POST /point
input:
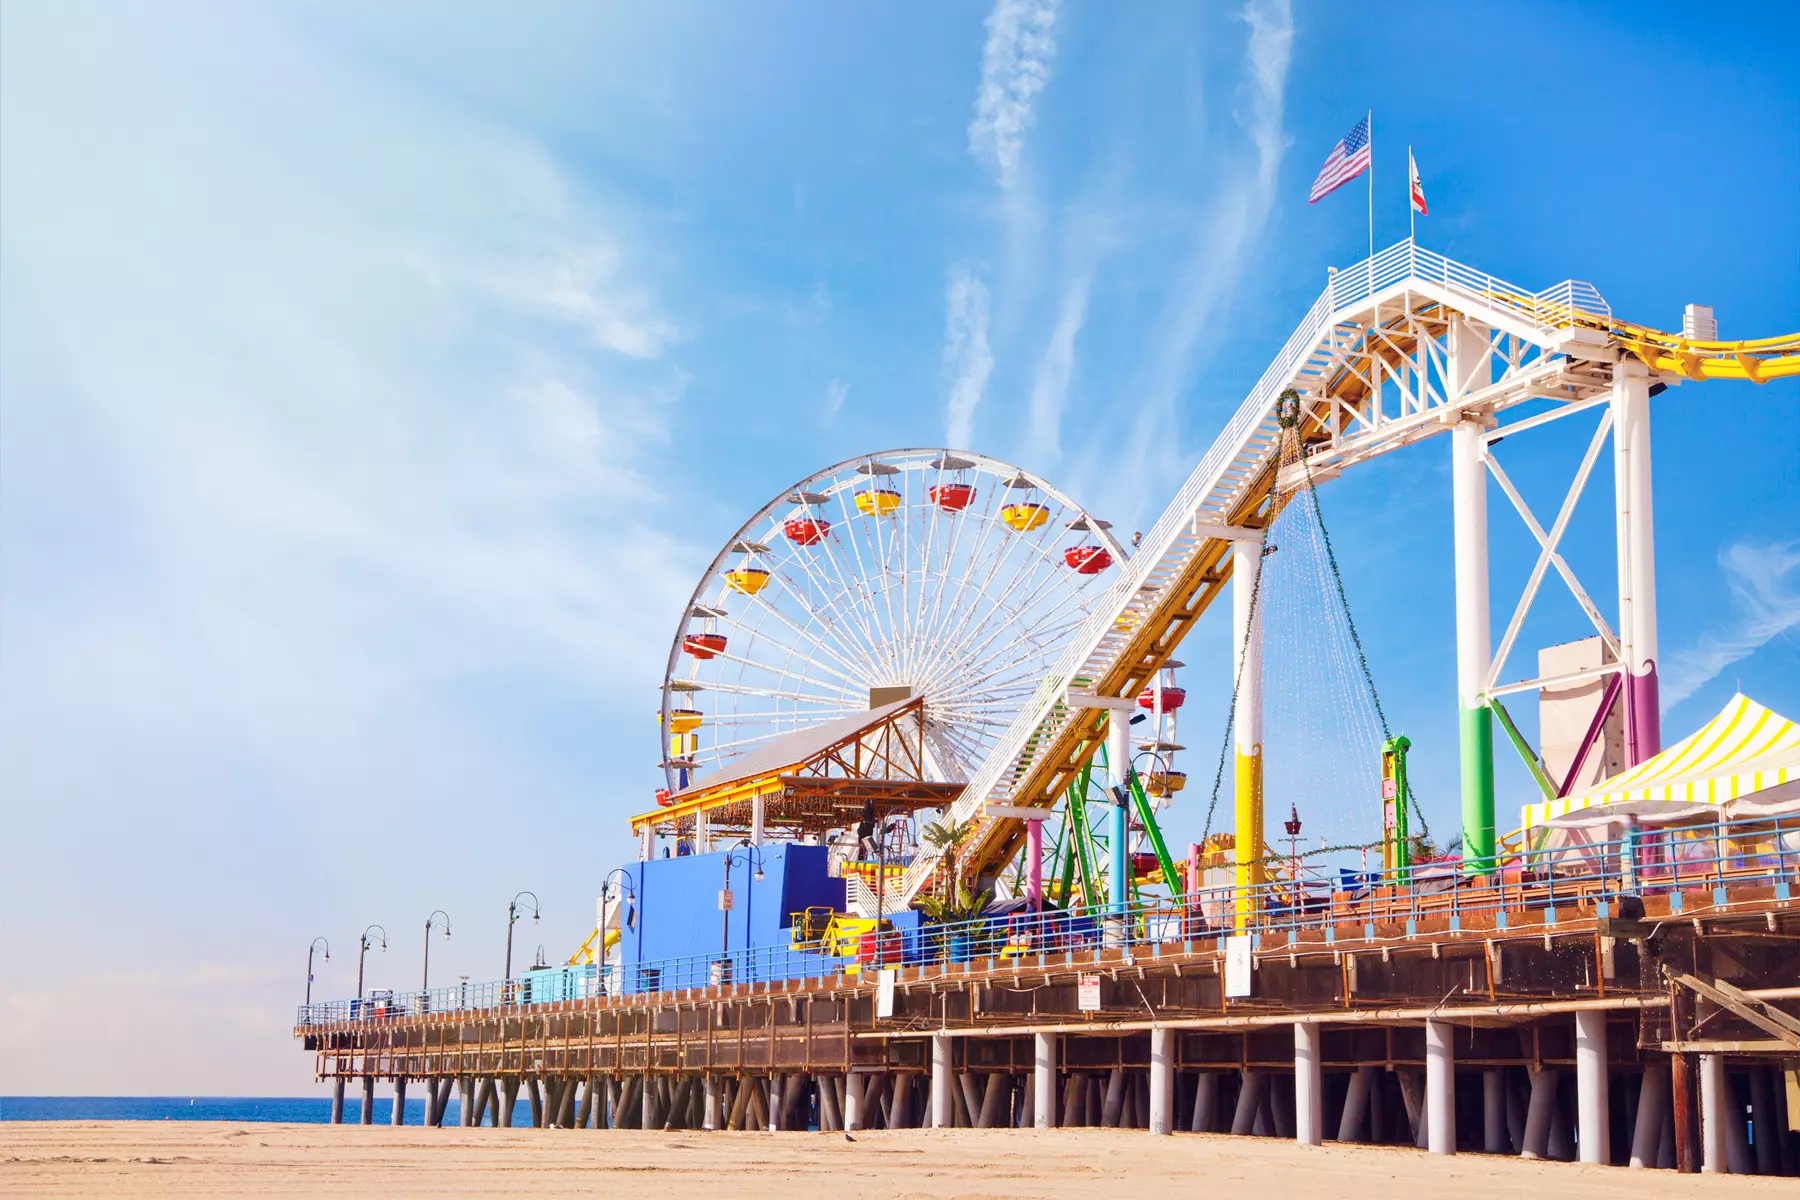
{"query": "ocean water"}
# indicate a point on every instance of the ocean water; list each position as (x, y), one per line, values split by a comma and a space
(305, 1110)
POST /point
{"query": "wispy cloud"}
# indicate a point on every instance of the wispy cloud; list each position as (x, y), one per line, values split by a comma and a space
(835, 393)
(1220, 243)
(1050, 387)
(1015, 67)
(1766, 603)
(968, 361)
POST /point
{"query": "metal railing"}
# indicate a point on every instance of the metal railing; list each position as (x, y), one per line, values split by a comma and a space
(1642, 862)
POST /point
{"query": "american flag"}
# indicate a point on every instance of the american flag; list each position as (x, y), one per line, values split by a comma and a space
(1348, 159)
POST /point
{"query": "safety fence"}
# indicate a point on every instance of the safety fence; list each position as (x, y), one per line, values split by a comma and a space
(1758, 852)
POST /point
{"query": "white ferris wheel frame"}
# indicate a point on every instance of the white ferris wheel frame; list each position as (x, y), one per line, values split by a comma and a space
(958, 651)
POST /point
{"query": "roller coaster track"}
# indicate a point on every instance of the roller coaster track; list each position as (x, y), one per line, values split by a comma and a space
(1372, 362)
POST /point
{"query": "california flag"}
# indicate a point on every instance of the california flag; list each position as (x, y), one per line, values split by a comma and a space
(1418, 191)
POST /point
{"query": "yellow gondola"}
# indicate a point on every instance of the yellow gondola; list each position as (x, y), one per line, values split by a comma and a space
(1025, 516)
(748, 580)
(1166, 783)
(878, 502)
(683, 720)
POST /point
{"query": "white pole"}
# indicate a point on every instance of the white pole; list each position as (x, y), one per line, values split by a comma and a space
(1712, 1114)
(1371, 206)
(1637, 560)
(1162, 1080)
(1590, 1087)
(1440, 1088)
(1309, 1091)
(1043, 1079)
(941, 1081)
(1412, 212)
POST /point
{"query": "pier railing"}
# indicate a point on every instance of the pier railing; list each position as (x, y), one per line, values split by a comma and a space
(1708, 859)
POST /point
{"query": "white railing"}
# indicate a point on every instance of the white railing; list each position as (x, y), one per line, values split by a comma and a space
(1346, 290)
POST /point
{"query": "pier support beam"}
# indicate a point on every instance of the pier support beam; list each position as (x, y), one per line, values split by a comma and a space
(431, 1103)
(1351, 1122)
(713, 1117)
(1652, 1114)
(1712, 1114)
(443, 1100)
(1043, 1080)
(1440, 1087)
(337, 1100)
(484, 1096)
(366, 1115)
(855, 1088)
(465, 1111)
(1593, 1128)
(1246, 664)
(1539, 1114)
(942, 1080)
(1309, 1086)
(1493, 1111)
(1206, 1102)
(1249, 1102)
(1162, 1081)
(509, 1097)
(399, 1100)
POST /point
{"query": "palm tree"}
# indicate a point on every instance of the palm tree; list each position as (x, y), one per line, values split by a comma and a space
(947, 837)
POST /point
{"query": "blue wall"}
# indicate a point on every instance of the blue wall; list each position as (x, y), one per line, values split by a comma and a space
(672, 911)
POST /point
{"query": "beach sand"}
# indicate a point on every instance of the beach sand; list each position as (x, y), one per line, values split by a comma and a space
(193, 1158)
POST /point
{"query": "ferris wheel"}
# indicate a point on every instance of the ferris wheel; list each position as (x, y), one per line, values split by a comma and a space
(926, 573)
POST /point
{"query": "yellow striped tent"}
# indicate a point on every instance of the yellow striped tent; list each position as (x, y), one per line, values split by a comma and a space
(1745, 761)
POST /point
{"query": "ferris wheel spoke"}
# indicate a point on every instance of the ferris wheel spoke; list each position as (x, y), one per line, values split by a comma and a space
(753, 664)
(833, 648)
(950, 603)
(743, 689)
(872, 534)
(853, 614)
(879, 649)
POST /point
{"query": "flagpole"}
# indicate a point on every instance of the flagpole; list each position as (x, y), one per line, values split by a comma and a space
(1371, 119)
(1412, 210)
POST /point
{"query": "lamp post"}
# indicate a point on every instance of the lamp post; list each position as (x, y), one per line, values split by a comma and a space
(364, 953)
(624, 889)
(425, 977)
(512, 918)
(316, 943)
(754, 855)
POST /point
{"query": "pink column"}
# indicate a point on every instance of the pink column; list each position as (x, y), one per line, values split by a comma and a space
(1034, 849)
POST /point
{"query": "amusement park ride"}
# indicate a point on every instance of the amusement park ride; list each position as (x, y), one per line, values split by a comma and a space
(918, 737)
(935, 631)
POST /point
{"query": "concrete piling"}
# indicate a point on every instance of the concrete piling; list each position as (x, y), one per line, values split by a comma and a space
(1652, 1115)
(337, 1100)
(484, 1096)
(367, 1115)
(466, 1114)
(1309, 1086)
(399, 1100)
(1593, 1123)
(1440, 1087)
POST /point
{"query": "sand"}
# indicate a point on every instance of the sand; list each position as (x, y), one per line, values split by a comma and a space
(193, 1158)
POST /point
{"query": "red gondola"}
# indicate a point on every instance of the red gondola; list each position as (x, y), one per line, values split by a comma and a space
(662, 798)
(951, 497)
(806, 531)
(1088, 560)
(704, 645)
(1172, 698)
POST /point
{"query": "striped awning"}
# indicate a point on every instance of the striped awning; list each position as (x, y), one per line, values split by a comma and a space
(1744, 750)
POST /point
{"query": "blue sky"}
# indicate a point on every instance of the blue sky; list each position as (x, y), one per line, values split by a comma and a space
(375, 383)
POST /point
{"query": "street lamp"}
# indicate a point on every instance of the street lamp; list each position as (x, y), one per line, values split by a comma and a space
(512, 918)
(624, 889)
(754, 855)
(364, 953)
(425, 979)
(316, 943)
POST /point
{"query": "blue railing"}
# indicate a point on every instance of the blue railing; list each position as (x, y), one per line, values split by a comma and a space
(1758, 851)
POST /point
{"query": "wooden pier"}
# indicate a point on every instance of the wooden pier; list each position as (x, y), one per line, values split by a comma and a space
(1549, 1032)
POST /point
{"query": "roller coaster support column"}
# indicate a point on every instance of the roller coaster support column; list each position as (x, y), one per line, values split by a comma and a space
(1475, 723)
(1246, 644)
(1118, 764)
(1637, 560)
(1470, 367)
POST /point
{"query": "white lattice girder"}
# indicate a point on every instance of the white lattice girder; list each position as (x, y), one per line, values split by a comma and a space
(1400, 282)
